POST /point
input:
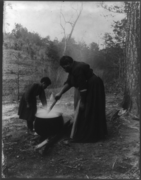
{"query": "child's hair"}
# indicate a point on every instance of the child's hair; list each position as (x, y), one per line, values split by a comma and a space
(46, 80)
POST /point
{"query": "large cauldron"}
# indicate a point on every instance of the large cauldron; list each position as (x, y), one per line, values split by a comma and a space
(48, 125)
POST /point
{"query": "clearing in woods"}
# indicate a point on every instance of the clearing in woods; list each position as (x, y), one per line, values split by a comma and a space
(115, 158)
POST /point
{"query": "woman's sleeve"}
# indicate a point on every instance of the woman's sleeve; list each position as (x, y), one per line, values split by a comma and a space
(68, 81)
(80, 79)
(42, 97)
(81, 82)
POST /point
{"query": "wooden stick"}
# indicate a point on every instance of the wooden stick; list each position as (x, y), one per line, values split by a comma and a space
(52, 105)
(75, 118)
(42, 144)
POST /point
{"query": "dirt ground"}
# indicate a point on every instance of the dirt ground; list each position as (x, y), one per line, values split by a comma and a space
(117, 157)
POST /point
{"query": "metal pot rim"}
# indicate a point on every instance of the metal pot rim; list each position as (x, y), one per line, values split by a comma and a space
(49, 117)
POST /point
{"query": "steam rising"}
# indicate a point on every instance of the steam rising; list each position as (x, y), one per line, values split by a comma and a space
(45, 113)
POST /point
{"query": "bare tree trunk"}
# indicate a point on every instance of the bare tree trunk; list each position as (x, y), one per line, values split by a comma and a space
(18, 81)
(131, 100)
(43, 68)
(18, 78)
(67, 39)
(73, 24)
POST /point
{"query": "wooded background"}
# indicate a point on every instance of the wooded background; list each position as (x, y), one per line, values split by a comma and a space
(27, 57)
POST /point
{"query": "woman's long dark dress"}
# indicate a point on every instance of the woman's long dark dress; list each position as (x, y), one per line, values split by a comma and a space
(29, 97)
(91, 123)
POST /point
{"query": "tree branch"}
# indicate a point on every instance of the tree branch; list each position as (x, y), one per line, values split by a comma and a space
(62, 25)
(117, 8)
(75, 22)
(67, 39)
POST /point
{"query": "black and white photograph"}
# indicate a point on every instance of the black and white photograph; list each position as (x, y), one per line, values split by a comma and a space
(71, 89)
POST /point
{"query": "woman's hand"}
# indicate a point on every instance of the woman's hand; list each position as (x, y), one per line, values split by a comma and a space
(64, 89)
(58, 96)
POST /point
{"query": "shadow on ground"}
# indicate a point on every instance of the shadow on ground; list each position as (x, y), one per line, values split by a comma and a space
(117, 157)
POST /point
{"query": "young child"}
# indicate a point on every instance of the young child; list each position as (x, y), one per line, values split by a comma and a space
(28, 102)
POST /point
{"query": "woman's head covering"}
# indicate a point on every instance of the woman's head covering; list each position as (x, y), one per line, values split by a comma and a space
(66, 60)
(46, 80)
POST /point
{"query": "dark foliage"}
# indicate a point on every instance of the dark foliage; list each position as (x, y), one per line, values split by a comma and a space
(40, 56)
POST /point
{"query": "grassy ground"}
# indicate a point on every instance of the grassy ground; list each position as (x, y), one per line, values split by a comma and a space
(115, 158)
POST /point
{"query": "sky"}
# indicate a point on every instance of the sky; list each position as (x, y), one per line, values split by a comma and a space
(43, 17)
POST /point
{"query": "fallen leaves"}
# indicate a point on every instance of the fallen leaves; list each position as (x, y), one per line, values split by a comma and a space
(103, 160)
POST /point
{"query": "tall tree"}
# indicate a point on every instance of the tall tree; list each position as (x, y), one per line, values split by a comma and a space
(131, 100)
(72, 23)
